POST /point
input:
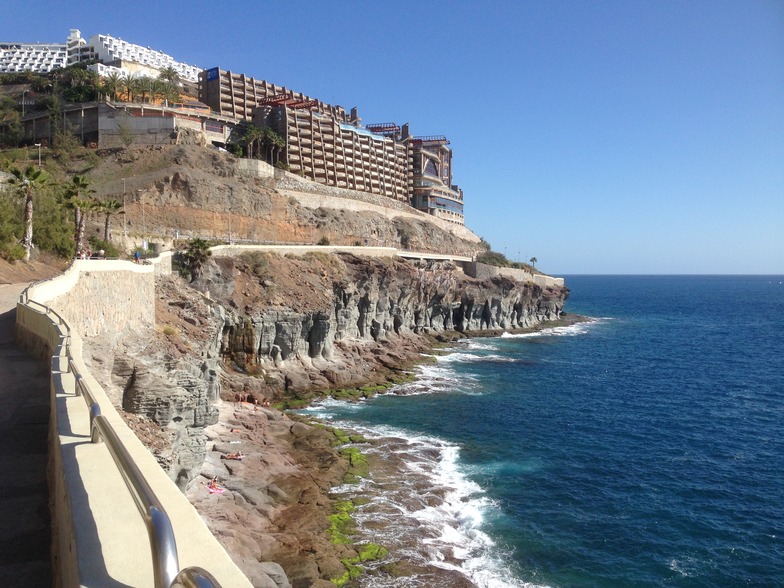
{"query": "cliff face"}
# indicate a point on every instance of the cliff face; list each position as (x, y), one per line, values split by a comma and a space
(281, 328)
(363, 308)
(267, 327)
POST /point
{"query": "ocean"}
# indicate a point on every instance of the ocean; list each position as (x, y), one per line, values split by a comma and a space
(642, 448)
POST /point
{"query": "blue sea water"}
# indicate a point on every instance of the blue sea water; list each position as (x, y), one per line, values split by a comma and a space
(644, 448)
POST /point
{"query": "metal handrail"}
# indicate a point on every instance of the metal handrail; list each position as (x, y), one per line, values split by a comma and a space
(194, 577)
(159, 528)
(163, 544)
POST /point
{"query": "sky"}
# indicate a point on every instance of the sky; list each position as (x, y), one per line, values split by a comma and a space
(599, 136)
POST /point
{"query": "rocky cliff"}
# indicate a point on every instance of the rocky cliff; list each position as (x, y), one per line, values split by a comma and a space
(354, 319)
(263, 327)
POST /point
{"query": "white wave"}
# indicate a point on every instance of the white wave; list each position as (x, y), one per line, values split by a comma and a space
(459, 357)
(568, 331)
(451, 528)
(481, 345)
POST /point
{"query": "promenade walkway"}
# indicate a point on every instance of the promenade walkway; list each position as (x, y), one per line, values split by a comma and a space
(25, 530)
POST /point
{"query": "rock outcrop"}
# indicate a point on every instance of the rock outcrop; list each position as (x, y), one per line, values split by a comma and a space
(265, 328)
(367, 315)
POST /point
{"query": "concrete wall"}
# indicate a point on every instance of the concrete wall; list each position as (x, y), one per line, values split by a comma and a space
(142, 130)
(483, 271)
(101, 539)
(233, 250)
(255, 168)
(311, 195)
(81, 294)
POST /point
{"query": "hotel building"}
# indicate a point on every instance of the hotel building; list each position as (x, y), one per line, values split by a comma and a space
(325, 144)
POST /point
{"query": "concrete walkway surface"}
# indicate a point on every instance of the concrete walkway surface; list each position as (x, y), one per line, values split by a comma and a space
(25, 525)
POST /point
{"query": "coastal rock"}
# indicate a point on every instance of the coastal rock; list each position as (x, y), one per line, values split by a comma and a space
(277, 329)
(366, 313)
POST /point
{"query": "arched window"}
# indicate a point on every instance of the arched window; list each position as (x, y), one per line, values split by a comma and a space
(431, 168)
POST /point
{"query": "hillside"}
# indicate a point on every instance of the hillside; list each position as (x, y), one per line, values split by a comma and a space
(188, 190)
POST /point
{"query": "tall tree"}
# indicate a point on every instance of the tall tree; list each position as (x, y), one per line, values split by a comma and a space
(169, 74)
(111, 85)
(157, 90)
(144, 85)
(252, 136)
(77, 197)
(129, 86)
(171, 93)
(273, 144)
(26, 184)
(196, 255)
(533, 261)
(109, 208)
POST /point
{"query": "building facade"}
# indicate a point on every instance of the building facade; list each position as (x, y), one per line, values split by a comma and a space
(238, 95)
(433, 192)
(107, 50)
(34, 57)
(336, 153)
(137, 59)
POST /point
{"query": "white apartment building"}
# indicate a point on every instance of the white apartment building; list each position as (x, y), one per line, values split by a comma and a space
(35, 57)
(108, 50)
(113, 51)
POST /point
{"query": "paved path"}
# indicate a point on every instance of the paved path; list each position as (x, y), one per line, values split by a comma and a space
(25, 531)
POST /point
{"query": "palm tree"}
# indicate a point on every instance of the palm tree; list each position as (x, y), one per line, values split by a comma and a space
(26, 183)
(169, 74)
(252, 135)
(144, 86)
(273, 143)
(196, 256)
(109, 208)
(76, 198)
(129, 86)
(111, 85)
(157, 90)
(171, 93)
(533, 261)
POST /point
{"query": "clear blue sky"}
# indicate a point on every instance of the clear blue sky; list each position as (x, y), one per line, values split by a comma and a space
(599, 136)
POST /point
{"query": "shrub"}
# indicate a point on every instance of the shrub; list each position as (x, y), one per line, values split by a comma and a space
(109, 250)
(258, 262)
(323, 241)
(493, 258)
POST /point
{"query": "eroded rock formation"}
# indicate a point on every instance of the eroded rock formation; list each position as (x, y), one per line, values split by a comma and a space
(263, 327)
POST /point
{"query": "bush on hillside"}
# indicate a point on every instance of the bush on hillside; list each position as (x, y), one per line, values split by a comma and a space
(109, 250)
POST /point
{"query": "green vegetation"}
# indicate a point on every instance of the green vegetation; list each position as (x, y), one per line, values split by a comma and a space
(340, 522)
(27, 184)
(262, 143)
(35, 208)
(196, 255)
(499, 260)
(258, 263)
(358, 463)
(109, 250)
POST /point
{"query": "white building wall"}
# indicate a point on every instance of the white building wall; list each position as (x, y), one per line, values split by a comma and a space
(35, 57)
(108, 49)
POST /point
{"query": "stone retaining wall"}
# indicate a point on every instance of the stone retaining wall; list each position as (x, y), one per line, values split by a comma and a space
(100, 536)
(482, 271)
(311, 195)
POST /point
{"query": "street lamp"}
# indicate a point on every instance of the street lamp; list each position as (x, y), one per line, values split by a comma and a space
(144, 218)
(39, 154)
(125, 218)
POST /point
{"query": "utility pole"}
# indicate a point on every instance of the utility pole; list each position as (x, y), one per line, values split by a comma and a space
(144, 218)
